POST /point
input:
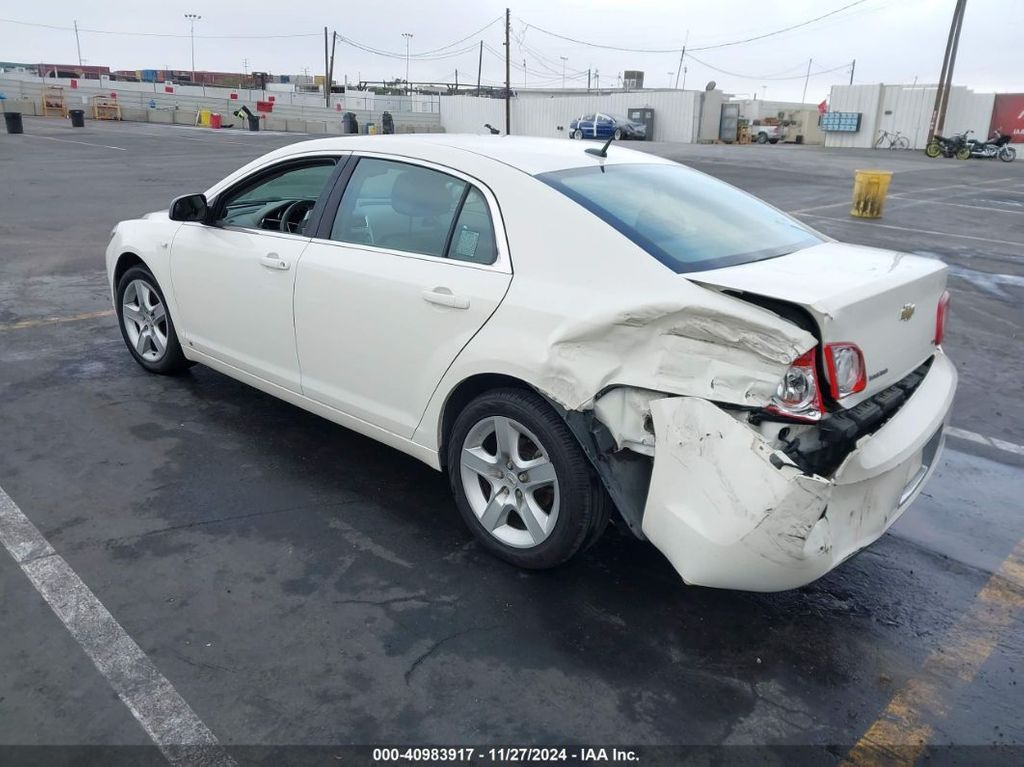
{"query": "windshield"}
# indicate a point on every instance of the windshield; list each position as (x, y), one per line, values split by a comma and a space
(685, 219)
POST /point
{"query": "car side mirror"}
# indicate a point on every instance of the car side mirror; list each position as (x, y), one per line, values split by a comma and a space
(189, 207)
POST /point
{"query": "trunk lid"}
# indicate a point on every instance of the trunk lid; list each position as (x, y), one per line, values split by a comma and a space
(882, 300)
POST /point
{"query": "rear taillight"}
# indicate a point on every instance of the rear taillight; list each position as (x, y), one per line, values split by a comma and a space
(798, 395)
(846, 371)
(940, 317)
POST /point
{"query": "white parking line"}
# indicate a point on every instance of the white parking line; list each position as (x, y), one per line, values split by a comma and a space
(981, 439)
(69, 141)
(917, 231)
(165, 716)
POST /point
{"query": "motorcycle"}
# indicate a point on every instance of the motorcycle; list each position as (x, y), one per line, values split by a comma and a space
(949, 146)
(996, 146)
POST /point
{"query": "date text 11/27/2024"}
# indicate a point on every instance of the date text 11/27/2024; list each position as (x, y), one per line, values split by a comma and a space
(504, 754)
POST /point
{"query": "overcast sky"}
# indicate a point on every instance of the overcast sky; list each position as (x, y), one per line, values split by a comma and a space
(893, 41)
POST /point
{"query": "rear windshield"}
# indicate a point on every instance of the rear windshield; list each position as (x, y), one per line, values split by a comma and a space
(685, 219)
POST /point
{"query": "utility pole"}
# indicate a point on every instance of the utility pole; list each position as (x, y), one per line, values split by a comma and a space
(940, 94)
(681, 68)
(564, 59)
(479, 67)
(588, 79)
(408, 37)
(78, 44)
(949, 73)
(327, 74)
(330, 68)
(853, 68)
(456, 81)
(508, 74)
(803, 99)
(684, 77)
(192, 18)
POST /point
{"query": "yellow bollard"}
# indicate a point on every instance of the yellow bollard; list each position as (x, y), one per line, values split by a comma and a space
(869, 190)
(204, 117)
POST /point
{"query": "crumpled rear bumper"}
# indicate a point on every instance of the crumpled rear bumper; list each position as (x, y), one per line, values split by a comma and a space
(729, 511)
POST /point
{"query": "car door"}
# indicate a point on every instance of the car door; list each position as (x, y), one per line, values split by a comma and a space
(234, 276)
(407, 265)
(604, 126)
(586, 125)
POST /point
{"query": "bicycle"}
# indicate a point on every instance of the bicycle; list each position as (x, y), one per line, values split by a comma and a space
(896, 140)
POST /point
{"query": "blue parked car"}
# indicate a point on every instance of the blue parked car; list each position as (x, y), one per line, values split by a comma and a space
(597, 125)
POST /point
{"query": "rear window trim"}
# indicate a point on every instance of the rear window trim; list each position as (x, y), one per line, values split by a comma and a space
(550, 178)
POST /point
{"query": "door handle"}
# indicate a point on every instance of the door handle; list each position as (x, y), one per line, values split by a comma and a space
(274, 261)
(444, 297)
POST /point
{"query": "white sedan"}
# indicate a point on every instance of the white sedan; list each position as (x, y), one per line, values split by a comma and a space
(568, 333)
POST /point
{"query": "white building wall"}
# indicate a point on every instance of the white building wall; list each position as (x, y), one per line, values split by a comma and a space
(907, 109)
(675, 112)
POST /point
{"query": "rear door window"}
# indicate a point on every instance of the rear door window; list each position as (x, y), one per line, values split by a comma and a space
(405, 207)
(398, 206)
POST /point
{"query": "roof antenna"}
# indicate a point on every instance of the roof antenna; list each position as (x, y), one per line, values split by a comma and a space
(603, 151)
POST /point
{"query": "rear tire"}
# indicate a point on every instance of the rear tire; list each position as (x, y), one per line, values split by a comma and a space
(521, 481)
(762, 138)
(617, 135)
(1007, 154)
(933, 149)
(902, 143)
(146, 325)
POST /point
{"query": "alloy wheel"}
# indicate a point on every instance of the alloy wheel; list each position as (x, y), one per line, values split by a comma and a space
(510, 482)
(145, 320)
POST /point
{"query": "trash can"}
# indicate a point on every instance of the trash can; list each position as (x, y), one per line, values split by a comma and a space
(869, 190)
(387, 123)
(204, 117)
(13, 120)
(349, 122)
(77, 118)
(371, 129)
(215, 120)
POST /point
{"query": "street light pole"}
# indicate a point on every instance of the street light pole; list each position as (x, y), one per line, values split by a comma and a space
(408, 37)
(564, 59)
(192, 17)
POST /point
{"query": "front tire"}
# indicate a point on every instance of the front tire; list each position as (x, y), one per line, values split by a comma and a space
(902, 143)
(521, 481)
(617, 135)
(963, 153)
(577, 134)
(146, 325)
(1007, 154)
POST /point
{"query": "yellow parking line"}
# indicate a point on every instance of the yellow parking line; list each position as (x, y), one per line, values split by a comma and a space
(22, 324)
(900, 735)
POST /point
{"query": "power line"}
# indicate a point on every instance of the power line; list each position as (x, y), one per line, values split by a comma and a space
(764, 77)
(697, 48)
(402, 56)
(153, 34)
(480, 31)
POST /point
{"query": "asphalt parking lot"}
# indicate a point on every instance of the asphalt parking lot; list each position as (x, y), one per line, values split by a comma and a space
(295, 583)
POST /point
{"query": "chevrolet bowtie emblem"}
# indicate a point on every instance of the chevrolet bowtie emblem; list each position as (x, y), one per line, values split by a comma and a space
(907, 312)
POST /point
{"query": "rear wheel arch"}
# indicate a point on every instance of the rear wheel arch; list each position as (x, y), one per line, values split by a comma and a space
(465, 392)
